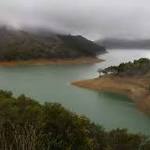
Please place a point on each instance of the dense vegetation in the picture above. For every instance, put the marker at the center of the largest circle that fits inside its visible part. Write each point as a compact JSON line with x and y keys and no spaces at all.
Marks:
{"x":27,"y":125}
{"x":21,"y":45}
{"x":138,"y":67}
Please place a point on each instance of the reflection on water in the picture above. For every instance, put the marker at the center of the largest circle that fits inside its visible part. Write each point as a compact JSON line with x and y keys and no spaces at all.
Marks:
{"x":116,"y":97}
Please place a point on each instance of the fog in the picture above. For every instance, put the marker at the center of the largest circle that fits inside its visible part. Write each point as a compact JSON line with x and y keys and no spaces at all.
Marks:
{"x":93,"y":19}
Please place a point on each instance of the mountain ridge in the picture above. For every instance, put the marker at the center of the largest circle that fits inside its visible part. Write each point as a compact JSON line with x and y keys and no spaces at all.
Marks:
{"x":124,"y":43}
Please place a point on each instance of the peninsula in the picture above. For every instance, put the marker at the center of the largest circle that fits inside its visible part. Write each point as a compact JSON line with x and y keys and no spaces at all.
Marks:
{"x":131,"y":79}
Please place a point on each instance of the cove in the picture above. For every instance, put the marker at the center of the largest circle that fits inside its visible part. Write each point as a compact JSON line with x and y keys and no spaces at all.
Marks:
{"x":51,"y":83}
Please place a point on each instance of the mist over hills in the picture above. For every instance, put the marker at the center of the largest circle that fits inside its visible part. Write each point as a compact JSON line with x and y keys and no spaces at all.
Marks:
{"x":26,"y":45}
{"x":112,"y":43}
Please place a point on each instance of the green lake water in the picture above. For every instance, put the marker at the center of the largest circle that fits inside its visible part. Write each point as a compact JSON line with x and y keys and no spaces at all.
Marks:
{"x":51,"y":83}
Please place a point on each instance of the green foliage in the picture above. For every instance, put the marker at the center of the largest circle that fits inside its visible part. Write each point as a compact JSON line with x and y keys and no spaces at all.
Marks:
{"x":138,"y":67}
{"x":27,"y":125}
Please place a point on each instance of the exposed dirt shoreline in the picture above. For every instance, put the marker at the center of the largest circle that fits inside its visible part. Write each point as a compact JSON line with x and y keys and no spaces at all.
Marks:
{"x":136,"y":88}
{"x":81,"y":60}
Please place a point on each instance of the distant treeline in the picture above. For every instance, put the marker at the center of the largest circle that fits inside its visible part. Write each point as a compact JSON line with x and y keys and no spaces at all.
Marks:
{"x":125,"y":43}
{"x":27,"y":125}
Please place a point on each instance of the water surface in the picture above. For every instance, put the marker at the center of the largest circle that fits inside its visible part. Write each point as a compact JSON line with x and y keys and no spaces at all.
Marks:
{"x":52,"y":83}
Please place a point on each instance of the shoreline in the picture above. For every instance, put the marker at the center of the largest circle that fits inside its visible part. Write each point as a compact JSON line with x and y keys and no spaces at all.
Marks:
{"x":135,"y":88}
{"x":81,"y":60}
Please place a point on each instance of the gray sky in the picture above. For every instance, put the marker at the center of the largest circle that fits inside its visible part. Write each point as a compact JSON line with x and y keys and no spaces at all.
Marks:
{"x":91,"y":18}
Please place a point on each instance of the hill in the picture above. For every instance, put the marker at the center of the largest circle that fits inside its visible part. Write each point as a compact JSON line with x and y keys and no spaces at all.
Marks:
{"x":27,"y":45}
{"x":125,"y":43}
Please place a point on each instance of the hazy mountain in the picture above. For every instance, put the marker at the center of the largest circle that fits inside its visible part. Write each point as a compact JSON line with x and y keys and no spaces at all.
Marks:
{"x":125,"y":43}
{"x":25,"y":45}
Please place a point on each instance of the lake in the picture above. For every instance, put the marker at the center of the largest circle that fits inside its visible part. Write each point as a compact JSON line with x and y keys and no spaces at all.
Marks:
{"x":51,"y":83}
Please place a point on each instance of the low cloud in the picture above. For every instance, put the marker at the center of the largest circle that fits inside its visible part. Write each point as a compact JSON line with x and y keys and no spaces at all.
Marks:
{"x":91,"y":18}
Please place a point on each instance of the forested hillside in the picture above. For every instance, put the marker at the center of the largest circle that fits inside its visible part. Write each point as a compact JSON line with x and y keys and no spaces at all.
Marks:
{"x":139,"y":67}
{"x":23,"y":45}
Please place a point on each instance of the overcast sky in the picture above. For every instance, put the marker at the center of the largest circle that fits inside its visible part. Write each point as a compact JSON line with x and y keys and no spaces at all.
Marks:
{"x":91,"y":18}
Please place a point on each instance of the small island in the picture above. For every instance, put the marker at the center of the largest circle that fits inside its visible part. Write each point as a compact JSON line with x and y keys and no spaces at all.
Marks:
{"x":131,"y":79}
